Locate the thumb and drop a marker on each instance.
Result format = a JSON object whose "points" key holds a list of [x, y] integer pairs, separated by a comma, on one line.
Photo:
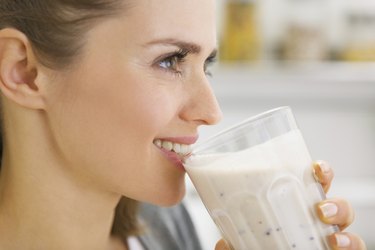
{"points": [[222, 245]]}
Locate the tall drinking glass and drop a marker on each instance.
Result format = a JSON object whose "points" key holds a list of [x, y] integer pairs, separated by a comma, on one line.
{"points": [[257, 183]]}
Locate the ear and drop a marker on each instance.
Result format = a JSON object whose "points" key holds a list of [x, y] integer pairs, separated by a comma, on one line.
{"points": [[19, 70]]}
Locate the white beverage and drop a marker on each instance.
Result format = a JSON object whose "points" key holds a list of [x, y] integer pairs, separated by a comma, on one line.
{"points": [[263, 197]]}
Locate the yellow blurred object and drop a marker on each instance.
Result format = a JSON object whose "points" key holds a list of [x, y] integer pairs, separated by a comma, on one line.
{"points": [[358, 54], [360, 44], [240, 40]]}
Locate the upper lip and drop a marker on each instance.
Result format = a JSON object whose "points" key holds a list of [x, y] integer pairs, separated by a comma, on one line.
{"points": [[181, 139]]}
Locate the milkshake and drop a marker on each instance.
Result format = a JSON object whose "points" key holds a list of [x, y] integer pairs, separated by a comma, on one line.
{"points": [[263, 197]]}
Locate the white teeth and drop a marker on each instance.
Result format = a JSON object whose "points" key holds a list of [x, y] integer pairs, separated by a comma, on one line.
{"points": [[158, 143], [181, 149], [185, 149], [167, 145], [176, 147]]}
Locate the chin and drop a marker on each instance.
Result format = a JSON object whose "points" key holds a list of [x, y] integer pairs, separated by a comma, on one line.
{"points": [[168, 199]]}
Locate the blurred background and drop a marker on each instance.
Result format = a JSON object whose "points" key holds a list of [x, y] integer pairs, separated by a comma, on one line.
{"points": [[318, 57]]}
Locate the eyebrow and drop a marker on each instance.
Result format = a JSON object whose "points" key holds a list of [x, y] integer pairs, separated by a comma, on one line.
{"points": [[187, 46]]}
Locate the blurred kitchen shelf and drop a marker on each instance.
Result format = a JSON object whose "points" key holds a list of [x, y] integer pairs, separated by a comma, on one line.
{"points": [[343, 83], [322, 71]]}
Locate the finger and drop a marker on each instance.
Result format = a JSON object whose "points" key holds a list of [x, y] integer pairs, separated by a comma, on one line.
{"points": [[337, 212], [346, 241], [222, 245], [324, 174]]}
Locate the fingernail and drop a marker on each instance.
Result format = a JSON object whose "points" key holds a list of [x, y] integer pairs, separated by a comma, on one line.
{"points": [[324, 167], [328, 209], [342, 240]]}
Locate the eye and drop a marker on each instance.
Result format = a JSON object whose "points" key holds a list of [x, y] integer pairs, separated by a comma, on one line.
{"points": [[208, 63], [172, 63]]}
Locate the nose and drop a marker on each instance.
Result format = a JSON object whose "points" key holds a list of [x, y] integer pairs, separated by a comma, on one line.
{"points": [[201, 106]]}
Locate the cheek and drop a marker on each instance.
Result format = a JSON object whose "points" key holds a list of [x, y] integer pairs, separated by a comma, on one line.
{"points": [[104, 128], [108, 106], [145, 109]]}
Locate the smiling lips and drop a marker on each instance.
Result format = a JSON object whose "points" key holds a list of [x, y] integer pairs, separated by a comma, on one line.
{"points": [[175, 150], [178, 148]]}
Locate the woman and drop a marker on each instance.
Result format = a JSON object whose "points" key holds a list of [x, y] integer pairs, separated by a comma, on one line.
{"points": [[96, 94]]}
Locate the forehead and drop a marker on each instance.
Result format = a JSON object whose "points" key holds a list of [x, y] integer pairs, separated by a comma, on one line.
{"points": [[192, 20]]}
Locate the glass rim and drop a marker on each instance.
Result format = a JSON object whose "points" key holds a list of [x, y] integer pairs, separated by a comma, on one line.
{"points": [[201, 145]]}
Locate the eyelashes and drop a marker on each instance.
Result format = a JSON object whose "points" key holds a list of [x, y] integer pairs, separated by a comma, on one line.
{"points": [[174, 62], [208, 63]]}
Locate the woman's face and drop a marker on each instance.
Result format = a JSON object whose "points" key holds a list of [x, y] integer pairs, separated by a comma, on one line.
{"points": [[140, 82]]}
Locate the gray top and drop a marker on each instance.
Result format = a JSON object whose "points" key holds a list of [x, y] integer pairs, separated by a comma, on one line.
{"points": [[167, 228]]}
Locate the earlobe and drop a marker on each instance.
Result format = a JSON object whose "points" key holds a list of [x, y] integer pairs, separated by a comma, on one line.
{"points": [[18, 70]]}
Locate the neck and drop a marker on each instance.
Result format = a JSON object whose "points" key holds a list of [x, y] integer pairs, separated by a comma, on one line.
{"points": [[60, 215], [43, 207]]}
